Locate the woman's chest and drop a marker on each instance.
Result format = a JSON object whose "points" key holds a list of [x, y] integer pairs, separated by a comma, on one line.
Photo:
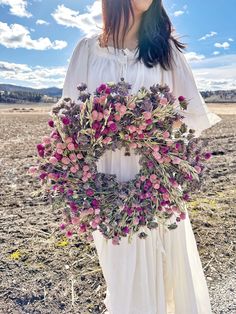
{"points": [[102, 70]]}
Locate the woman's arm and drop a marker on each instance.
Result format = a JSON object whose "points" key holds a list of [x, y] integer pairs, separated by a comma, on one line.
{"points": [[77, 70], [197, 116]]}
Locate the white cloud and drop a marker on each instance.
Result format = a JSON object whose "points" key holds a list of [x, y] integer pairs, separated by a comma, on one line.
{"points": [[193, 56], [181, 12], [17, 7], [41, 22], [211, 34], [218, 72], [215, 53], [178, 13], [38, 76], [88, 22], [18, 36], [230, 39], [224, 45]]}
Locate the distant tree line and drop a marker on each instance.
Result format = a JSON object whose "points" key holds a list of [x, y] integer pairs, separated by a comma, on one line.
{"points": [[19, 97]]}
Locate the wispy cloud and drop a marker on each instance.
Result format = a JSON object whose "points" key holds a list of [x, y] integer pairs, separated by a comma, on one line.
{"points": [[211, 34], [230, 39], [88, 22], [42, 22], [181, 12], [17, 7], [193, 56], [215, 53], [37, 76], [224, 45], [18, 36]]}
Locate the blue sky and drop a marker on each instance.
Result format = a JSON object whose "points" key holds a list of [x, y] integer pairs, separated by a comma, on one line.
{"points": [[37, 38]]}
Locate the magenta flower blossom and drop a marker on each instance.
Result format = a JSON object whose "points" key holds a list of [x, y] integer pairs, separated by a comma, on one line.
{"points": [[65, 120], [51, 123], [89, 192], [95, 203], [181, 98], [208, 155], [113, 127]]}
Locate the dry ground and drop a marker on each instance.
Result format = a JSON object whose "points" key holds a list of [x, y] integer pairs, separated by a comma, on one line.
{"points": [[42, 273]]}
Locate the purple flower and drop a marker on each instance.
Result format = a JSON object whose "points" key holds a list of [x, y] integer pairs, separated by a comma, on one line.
{"points": [[73, 207], [162, 189], [62, 226], [101, 88], [89, 192], [51, 123], [186, 197], [43, 175], [95, 203], [96, 125], [181, 98], [150, 164], [126, 229], [70, 192], [208, 155], [65, 120], [58, 156], [113, 127]]}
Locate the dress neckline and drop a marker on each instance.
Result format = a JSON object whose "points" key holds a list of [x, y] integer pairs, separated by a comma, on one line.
{"points": [[111, 50]]}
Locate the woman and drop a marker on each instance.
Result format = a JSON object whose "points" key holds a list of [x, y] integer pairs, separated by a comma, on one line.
{"points": [[163, 273]]}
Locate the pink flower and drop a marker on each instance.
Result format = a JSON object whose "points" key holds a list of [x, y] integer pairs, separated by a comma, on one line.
{"points": [[60, 146], [163, 101], [73, 169], [153, 177], [115, 240], [73, 157], [65, 160], [147, 115], [132, 128], [32, 170], [166, 134], [53, 160], [156, 148], [176, 160], [71, 146], [136, 221], [69, 140], [182, 216], [60, 151], [198, 169], [117, 117], [46, 140], [80, 156], [131, 105], [86, 168], [133, 145], [143, 178], [94, 115], [107, 140], [156, 186]]}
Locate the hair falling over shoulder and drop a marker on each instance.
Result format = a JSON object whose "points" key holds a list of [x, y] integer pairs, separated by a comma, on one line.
{"points": [[155, 32]]}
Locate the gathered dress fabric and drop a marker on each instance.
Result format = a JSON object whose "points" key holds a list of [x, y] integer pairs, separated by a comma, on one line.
{"points": [[161, 274]]}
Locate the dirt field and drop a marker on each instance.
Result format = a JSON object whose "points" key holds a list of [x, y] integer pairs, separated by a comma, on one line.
{"points": [[42, 273]]}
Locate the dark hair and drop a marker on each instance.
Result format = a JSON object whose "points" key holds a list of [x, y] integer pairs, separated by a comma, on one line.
{"points": [[154, 36]]}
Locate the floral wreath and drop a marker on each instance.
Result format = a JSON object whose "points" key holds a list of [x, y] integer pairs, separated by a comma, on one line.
{"points": [[109, 119]]}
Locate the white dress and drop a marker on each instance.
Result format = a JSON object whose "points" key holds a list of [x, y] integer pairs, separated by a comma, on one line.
{"points": [[162, 273]]}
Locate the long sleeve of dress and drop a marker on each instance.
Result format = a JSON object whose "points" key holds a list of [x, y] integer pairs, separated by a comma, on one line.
{"points": [[77, 70], [197, 116]]}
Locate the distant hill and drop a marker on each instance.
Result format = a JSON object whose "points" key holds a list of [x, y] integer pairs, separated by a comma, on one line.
{"points": [[19, 94], [51, 91]]}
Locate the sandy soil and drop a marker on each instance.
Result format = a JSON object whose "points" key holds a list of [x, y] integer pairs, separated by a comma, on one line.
{"points": [[42, 273]]}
